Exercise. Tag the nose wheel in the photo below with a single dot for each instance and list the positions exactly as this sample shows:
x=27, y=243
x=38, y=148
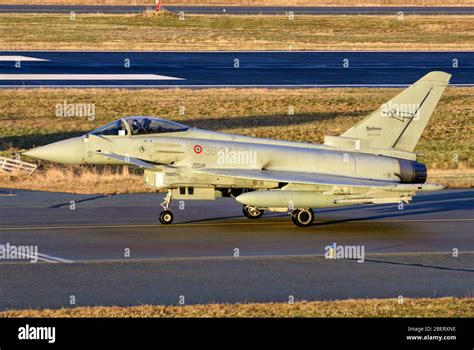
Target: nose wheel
x=302, y=217
x=252, y=212
x=166, y=216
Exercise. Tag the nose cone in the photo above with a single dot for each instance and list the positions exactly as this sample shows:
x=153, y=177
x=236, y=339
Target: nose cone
x=70, y=151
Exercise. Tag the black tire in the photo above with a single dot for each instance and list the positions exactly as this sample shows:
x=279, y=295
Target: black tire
x=166, y=217
x=302, y=217
x=251, y=212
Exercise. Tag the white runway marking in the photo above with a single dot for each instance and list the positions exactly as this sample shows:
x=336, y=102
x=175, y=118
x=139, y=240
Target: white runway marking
x=21, y=58
x=86, y=77
x=46, y=257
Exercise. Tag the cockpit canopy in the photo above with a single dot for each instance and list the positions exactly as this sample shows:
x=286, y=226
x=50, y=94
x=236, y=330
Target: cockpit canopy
x=139, y=126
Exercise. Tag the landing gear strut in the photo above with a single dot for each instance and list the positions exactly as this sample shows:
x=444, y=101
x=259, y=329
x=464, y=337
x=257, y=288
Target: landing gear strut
x=166, y=216
x=252, y=212
x=302, y=217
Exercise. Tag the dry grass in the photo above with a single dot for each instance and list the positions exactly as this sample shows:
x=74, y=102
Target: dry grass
x=442, y=307
x=216, y=32
x=77, y=179
x=253, y=2
x=458, y=178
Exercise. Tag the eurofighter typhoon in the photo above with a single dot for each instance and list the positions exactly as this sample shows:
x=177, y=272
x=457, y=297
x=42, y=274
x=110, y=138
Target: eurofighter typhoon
x=371, y=163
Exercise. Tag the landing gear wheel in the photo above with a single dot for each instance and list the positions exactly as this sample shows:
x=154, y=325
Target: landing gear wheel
x=166, y=217
x=302, y=217
x=252, y=212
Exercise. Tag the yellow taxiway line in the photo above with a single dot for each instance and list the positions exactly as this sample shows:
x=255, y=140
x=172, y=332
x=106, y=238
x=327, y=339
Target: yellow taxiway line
x=20, y=228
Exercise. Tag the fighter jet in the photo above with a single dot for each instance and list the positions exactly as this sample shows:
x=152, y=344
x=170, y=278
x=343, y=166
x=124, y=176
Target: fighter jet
x=371, y=163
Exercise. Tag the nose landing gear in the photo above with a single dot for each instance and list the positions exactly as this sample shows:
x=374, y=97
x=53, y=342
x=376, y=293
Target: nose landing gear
x=166, y=216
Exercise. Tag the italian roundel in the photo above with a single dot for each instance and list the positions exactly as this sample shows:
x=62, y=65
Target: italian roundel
x=197, y=149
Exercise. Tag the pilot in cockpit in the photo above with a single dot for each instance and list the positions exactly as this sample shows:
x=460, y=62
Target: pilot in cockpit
x=146, y=126
x=135, y=127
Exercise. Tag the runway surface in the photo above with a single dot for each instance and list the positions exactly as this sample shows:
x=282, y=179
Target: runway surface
x=229, y=69
x=236, y=10
x=408, y=252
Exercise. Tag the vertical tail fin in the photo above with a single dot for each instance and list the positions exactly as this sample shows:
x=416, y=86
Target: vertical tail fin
x=399, y=123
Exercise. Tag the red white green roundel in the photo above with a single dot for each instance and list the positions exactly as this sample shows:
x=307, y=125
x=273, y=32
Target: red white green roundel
x=197, y=149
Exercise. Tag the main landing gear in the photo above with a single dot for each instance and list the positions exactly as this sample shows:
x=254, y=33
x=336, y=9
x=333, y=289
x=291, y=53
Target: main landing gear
x=252, y=212
x=166, y=216
x=302, y=217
